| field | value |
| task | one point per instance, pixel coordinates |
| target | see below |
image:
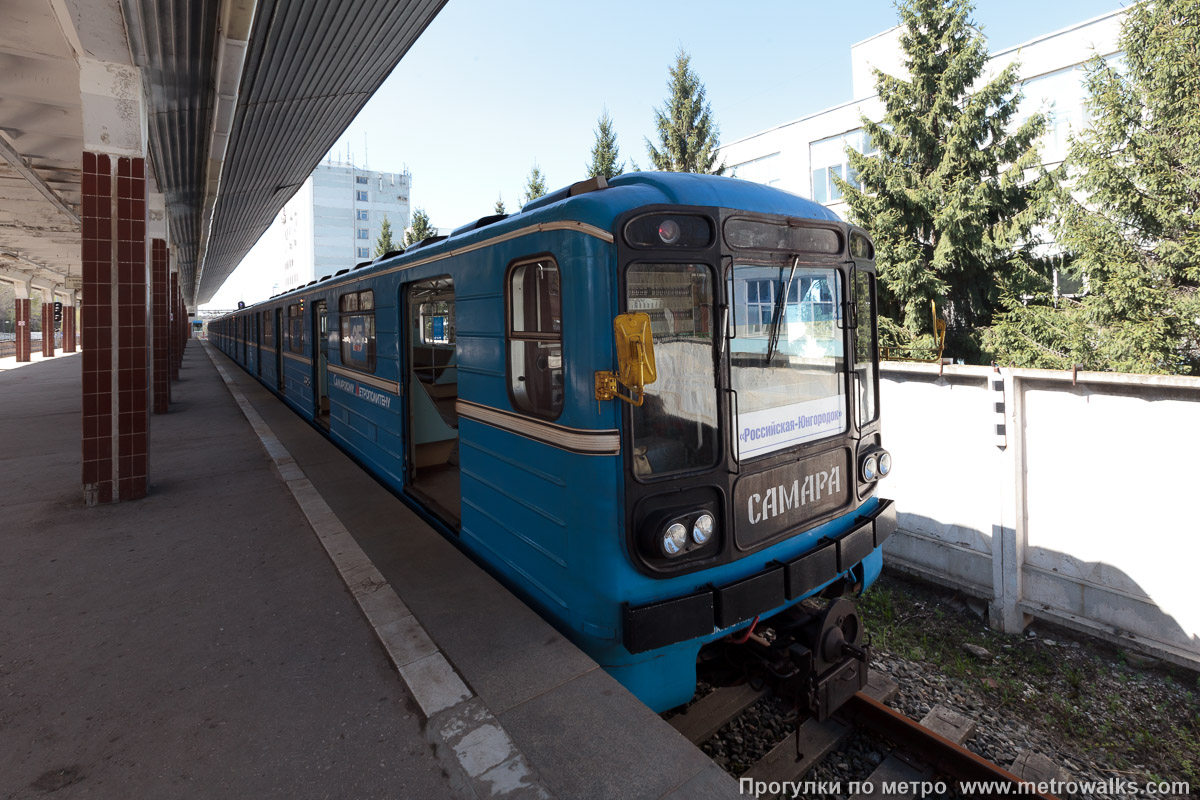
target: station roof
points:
(241, 100)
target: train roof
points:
(598, 205)
(624, 192)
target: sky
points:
(490, 89)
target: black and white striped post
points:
(999, 416)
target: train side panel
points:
(539, 494)
(366, 408)
(298, 362)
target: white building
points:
(335, 218)
(802, 156)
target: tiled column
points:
(115, 321)
(68, 327)
(177, 340)
(175, 343)
(47, 325)
(161, 325)
(23, 325)
(96, 327)
(116, 311)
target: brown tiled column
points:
(177, 340)
(115, 321)
(47, 328)
(172, 345)
(23, 325)
(185, 329)
(160, 310)
(68, 327)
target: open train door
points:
(432, 475)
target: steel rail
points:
(935, 750)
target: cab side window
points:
(535, 363)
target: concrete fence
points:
(1066, 498)
(8, 342)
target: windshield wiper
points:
(780, 305)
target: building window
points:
(357, 323)
(764, 170)
(364, 233)
(1062, 97)
(363, 214)
(760, 305)
(364, 252)
(361, 195)
(535, 367)
(296, 328)
(808, 311)
(361, 179)
(827, 159)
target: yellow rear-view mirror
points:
(635, 350)
(635, 359)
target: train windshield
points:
(786, 355)
(675, 427)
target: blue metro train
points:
(650, 406)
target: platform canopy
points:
(235, 101)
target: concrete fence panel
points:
(950, 469)
(1067, 498)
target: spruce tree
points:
(605, 151)
(384, 243)
(535, 186)
(499, 207)
(949, 198)
(688, 136)
(420, 229)
(1128, 222)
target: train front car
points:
(752, 461)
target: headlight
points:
(885, 463)
(674, 540)
(702, 528)
(870, 468)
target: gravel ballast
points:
(1098, 713)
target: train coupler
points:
(830, 658)
(814, 657)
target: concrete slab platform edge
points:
(458, 721)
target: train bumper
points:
(697, 615)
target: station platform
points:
(270, 621)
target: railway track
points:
(928, 757)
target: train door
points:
(258, 351)
(432, 377)
(279, 349)
(245, 335)
(321, 361)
